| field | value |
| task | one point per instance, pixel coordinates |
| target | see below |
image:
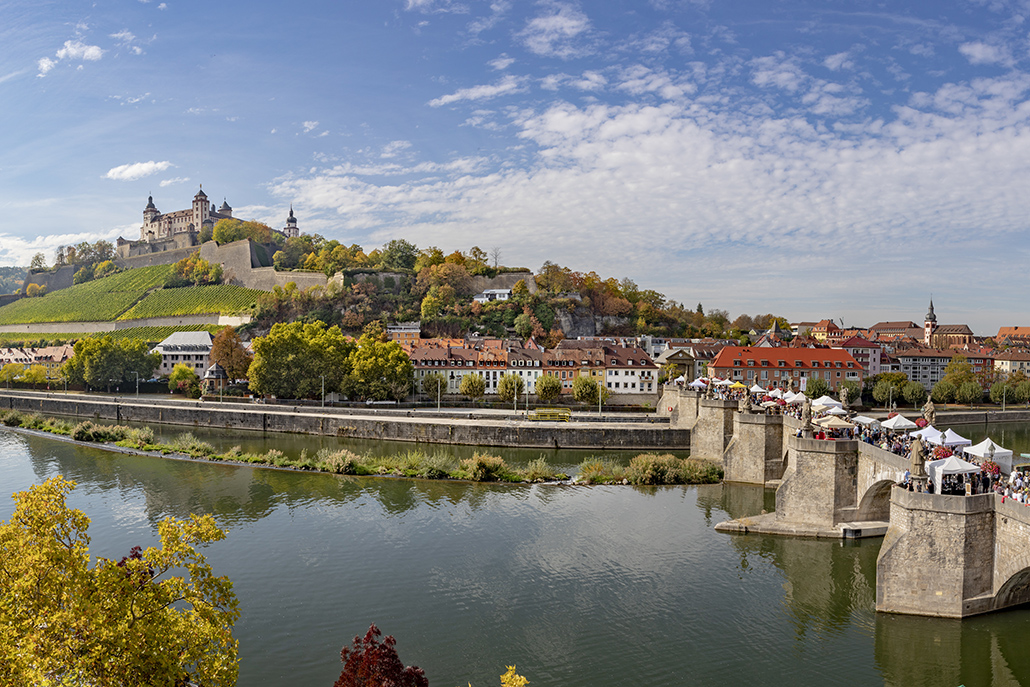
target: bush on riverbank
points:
(651, 468)
(648, 468)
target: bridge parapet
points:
(755, 452)
(713, 429)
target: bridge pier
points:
(820, 484)
(953, 556)
(755, 452)
(713, 428)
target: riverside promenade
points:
(456, 426)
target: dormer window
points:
(751, 363)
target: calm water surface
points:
(577, 586)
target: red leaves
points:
(371, 663)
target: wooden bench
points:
(552, 414)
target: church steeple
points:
(930, 317)
(929, 325)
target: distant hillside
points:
(12, 278)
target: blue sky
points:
(814, 159)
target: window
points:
(751, 363)
(765, 374)
(815, 363)
(736, 363)
(837, 364)
(782, 363)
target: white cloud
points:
(777, 70)
(162, 6)
(77, 50)
(393, 148)
(124, 36)
(507, 85)
(553, 34)
(45, 64)
(502, 62)
(841, 60)
(172, 182)
(309, 126)
(136, 170)
(984, 53)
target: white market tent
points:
(1002, 456)
(828, 401)
(951, 438)
(834, 422)
(898, 423)
(776, 393)
(952, 465)
(697, 384)
(865, 421)
(757, 389)
(681, 378)
(928, 433)
(836, 410)
(725, 382)
(795, 400)
(819, 408)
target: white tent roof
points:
(797, 399)
(952, 465)
(1002, 456)
(828, 401)
(755, 389)
(898, 422)
(819, 408)
(697, 384)
(776, 393)
(681, 378)
(865, 421)
(724, 382)
(836, 410)
(834, 422)
(929, 433)
(950, 438)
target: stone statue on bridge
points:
(929, 412)
(917, 458)
(844, 397)
(806, 418)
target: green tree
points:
(83, 275)
(11, 372)
(35, 291)
(969, 393)
(434, 384)
(34, 375)
(943, 392)
(510, 387)
(105, 268)
(915, 393)
(524, 325)
(1021, 392)
(67, 618)
(584, 390)
(38, 263)
(473, 386)
(1001, 391)
(228, 351)
(959, 371)
(183, 378)
(398, 254)
(380, 369)
(102, 361)
(548, 388)
(817, 387)
(430, 307)
(291, 361)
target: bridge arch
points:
(1015, 590)
(875, 503)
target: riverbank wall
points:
(464, 430)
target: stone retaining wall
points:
(311, 421)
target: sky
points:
(819, 158)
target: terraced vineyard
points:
(149, 334)
(198, 300)
(96, 301)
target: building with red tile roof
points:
(783, 366)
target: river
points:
(577, 586)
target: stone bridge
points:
(953, 556)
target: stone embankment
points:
(398, 425)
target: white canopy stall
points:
(952, 465)
(898, 423)
(950, 438)
(1001, 456)
(828, 401)
(697, 384)
(865, 421)
(928, 433)
(755, 389)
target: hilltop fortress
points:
(164, 231)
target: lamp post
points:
(599, 399)
(137, 382)
(323, 390)
(439, 388)
(1004, 391)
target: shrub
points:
(340, 462)
(600, 471)
(651, 468)
(483, 468)
(11, 418)
(436, 466)
(191, 445)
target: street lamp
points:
(323, 390)
(137, 382)
(439, 387)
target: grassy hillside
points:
(94, 301)
(197, 300)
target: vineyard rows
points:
(94, 301)
(151, 335)
(198, 300)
